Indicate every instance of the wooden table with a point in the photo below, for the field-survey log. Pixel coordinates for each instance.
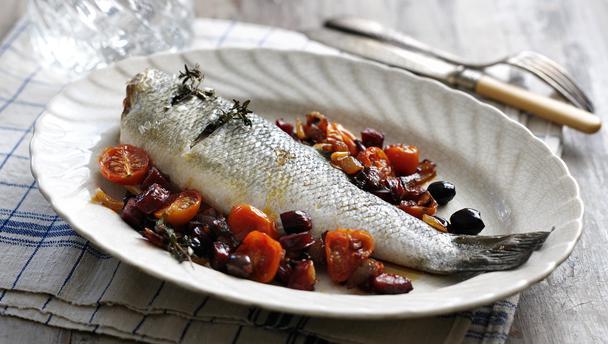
(571, 305)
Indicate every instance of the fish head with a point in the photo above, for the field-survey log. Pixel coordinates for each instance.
(147, 82)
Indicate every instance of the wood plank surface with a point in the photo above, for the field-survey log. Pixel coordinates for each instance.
(569, 306)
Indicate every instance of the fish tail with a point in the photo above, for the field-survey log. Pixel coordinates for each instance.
(499, 252)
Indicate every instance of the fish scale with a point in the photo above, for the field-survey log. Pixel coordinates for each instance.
(263, 166)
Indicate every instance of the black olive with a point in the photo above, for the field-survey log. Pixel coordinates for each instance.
(442, 192)
(285, 269)
(132, 215)
(154, 176)
(296, 221)
(220, 252)
(372, 138)
(391, 284)
(396, 188)
(317, 252)
(385, 194)
(198, 248)
(466, 221)
(297, 241)
(441, 220)
(239, 265)
(154, 198)
(368, 179)
(201, 241)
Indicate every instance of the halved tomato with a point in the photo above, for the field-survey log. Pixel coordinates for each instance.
(265, 253)
(183, 209)
(375, 157)
(124, 164)
(245, 218)
(345, 249)
(404, 159)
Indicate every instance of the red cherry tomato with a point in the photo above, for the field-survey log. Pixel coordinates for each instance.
(183, 209)
(265, 254)
(404, 159)
(124, 164)
(375, 157)
(245, 218)
(345, 249)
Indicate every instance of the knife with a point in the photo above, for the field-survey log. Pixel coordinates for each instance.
(457, 76)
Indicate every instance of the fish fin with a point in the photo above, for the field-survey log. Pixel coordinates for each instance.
(499, 252)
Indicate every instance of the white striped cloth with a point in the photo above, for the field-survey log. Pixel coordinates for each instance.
(49, 274)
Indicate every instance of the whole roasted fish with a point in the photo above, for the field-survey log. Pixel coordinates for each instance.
(260, 165)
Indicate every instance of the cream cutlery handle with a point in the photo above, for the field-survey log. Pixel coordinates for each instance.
(541, 106)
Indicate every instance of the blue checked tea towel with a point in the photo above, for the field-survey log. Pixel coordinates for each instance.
(50, 275)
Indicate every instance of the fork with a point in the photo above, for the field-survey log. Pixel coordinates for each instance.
(539, 65)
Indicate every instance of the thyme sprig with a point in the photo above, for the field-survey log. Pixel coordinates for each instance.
(190, 87)
(191, 79)
(165, 237)
(237, 110)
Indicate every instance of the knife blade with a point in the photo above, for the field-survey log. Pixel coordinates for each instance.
(376, 31)
(384, 53)
(459, 77)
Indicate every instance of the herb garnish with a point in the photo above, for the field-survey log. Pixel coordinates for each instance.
(165, 237)
(237, 110)
(190, 87)
(191, 80)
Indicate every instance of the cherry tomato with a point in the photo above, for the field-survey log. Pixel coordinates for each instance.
(345, 249)
(265, 253)
(183, 209)
(404, 159)
(375, 157)
(245, 218)
(124, 164)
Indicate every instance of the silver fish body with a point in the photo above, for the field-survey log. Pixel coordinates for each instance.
(262, 166)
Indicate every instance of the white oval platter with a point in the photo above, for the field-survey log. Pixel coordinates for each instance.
(498, 167)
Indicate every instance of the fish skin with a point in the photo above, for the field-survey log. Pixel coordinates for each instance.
(262, 166)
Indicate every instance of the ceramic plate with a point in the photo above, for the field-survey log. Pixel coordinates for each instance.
(498, 166)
